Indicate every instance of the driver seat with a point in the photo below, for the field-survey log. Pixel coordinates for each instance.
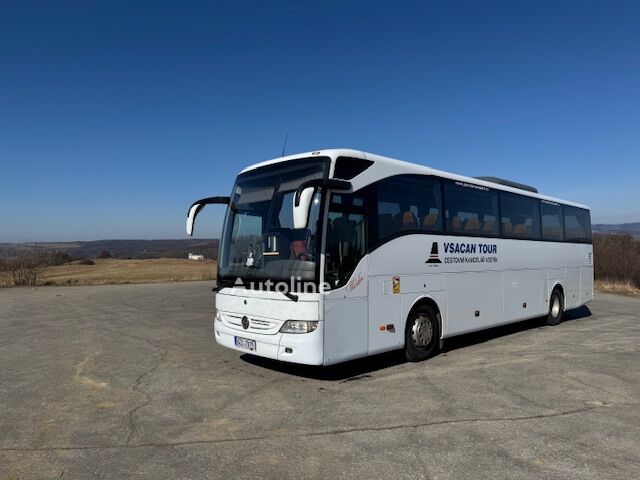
(299, 245)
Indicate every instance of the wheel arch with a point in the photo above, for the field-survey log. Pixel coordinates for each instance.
(431, 302)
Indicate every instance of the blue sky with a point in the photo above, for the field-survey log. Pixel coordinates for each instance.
(115, 116)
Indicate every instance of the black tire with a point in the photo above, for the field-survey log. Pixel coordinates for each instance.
(556, 307)
(422, 334)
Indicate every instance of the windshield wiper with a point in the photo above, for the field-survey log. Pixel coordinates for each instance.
(290, 296)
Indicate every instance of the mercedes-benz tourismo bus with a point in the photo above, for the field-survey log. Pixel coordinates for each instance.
(337, 254)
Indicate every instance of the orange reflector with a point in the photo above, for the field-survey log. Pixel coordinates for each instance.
(382, 328)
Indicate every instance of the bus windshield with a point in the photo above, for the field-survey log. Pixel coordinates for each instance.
(259, 241)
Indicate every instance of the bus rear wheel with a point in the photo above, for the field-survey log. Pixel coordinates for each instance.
(422, 335)
(556, 308)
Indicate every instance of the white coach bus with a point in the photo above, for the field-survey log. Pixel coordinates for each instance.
(333, 255)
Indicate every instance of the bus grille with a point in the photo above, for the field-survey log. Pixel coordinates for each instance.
(255, 324)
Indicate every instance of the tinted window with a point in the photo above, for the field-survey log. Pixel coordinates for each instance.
(520, 216)
(551, 221)
(577, 224)
(471, 209)
(345, 237)
(406, 204)
(347, 167)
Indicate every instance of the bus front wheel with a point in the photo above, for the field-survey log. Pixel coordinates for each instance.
(556, 308)
(422, 335)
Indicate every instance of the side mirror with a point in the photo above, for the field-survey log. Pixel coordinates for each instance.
(304, 194)
(197, 206)
(301, 210)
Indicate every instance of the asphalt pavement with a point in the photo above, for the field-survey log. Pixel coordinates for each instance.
(125, 381)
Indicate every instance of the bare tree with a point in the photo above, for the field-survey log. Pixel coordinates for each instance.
(4, 272)
(24, 264)
(617, 258)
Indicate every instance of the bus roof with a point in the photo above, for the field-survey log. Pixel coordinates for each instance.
(384, 167)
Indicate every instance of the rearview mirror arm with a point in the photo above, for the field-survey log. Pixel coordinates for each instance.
(198, 205)
(320, 182)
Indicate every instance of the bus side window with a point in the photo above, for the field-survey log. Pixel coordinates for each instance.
(405, 204)
(471, 210)
(577, 224)
(552, 221)
(520, 216)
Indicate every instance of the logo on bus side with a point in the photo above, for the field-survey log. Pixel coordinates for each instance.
(464, 253)
(434, 258)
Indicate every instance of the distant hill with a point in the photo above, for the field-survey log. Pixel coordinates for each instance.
(207, 247)
(628, 228)
(133, 248)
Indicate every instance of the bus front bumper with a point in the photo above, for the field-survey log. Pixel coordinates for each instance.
(303, 348)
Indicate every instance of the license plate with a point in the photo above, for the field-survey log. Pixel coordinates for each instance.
(246, 343)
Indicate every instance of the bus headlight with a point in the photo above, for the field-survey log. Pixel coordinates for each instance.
(298, 326)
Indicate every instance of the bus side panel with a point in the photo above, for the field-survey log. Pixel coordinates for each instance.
(586, 284)
(474, 301)
(556, 276)
(346, 318)
(524, 294)
(345, 329)
(389, 307)
(586, 275)
(384, 309)
(572, 288)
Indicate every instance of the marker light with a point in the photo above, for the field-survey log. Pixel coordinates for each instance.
(298, 326)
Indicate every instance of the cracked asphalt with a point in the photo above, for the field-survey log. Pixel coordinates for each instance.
(124, 381)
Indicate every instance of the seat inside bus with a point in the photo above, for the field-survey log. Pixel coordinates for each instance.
(519, 227)
(405, 219)
(472, 225)
(552, 232)
(464, 222)
(408, 221)
(430, 221)
(454, 224)
(300, 244)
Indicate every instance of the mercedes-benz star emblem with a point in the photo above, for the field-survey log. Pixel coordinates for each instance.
(245, 322)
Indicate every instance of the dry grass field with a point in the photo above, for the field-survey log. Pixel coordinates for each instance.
(111, 270)
(620, 288)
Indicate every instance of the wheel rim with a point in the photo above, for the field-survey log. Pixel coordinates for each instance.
(421, 331)
(555, 307)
